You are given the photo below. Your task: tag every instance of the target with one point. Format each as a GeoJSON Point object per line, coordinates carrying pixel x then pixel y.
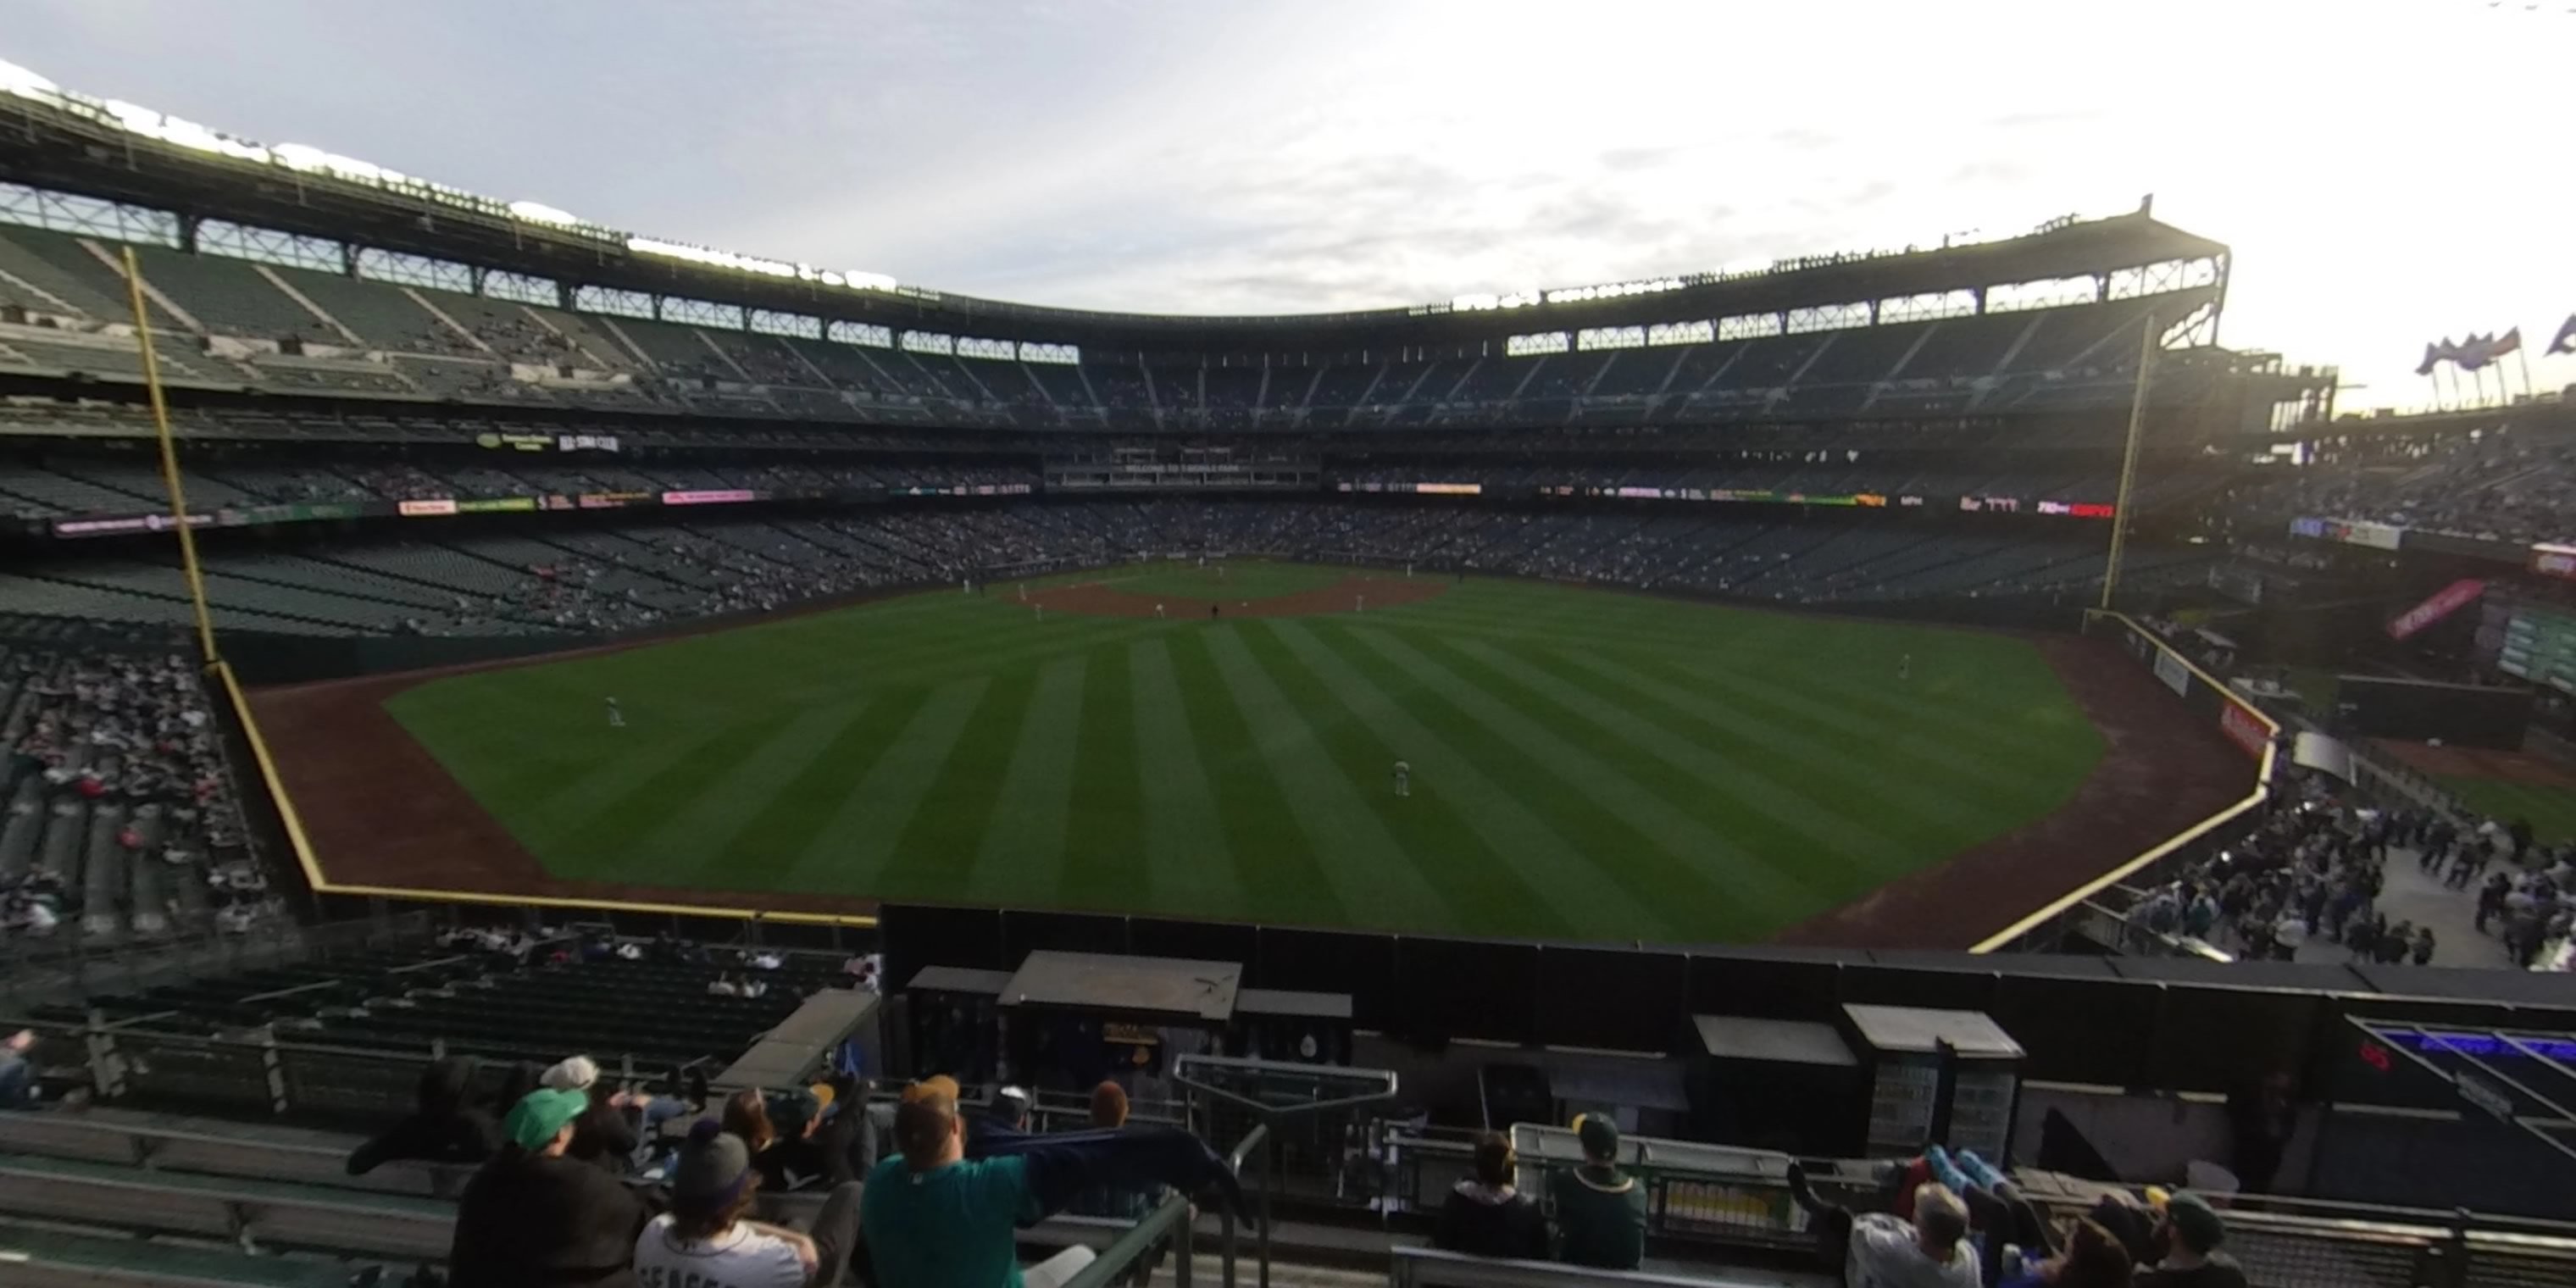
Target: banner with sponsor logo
{"type": "Point", "coordinates": [710, 496]}
{"type": "Point", "coordinates": [2444, 602]}
{"type": "Point", "coordinates": [2244, 728]}
{"type": "Point", "coordinates": [120, 525]}
{"type": "Point", "coordinates": [430, 506]}
{"type": "Point", "coordinates": [497, 505]}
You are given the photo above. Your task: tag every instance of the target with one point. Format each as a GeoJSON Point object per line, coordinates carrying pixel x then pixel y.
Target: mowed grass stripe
{"type": "Point", "coordinates": [1452, 858]}
{"type": "Point", "coordinates": [777, 836]}
{"type": "Point", "coordinates": [1777, 818]}
{"type": "Point", "coordinates": [1616, 849]}
{"type": "Point", "coordinates": [1903, 784]}
{"type": "Point", "coordinates": [935, 855]}
{"type": "Point", "coordinates": [1693, 853]}
{"type": "Point", "coordinates": [724, 809]}
{"type": "Point", "coordinates": [1996, 768]}
{"type": "Point", "coordinates": [567, 809]}
{"type": "Point", "coordinates": [1528, 880]}
{"type": "Point", "coordinates": [1368, 870]}
{"type": "Point", "coordinates": [1104, 845]}
{"type": "Point", "coordinates": [851, 849]}
{"type": "Point", "coordinates": [627, 829]}
{"type": "Point", "coordinates": [1023, 843]}
{"type": "Point", "coordinates": [1282, 878]}
{"type": "Point", "coordinates": [1185, 848]}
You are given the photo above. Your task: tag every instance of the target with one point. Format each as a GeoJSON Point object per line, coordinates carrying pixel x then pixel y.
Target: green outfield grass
{"type": "Point", "coordinates": [1586, 764]}
{"type": "Point", "coordinates": [2551, 811]}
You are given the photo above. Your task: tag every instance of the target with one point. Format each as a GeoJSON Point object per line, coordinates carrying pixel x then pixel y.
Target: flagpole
{"type": "Point", "coordinates": [169, 460]}
{"type": "Point", "coordinates": [2524, 362]}
{"type": "Point", "coordinates": [2129, 464]}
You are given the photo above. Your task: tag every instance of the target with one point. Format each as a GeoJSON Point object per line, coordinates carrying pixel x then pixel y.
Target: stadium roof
{"type": "Point", "coordinates": [125, 153]}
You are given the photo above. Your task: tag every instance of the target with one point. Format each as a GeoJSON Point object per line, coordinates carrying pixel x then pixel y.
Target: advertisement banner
{"type": "Point", "coordinates": [2444, 602]}
{"type": "Point", "coordinates": [497, 505]}
{"type": "Point", "coordinates": [420, 509]}
{"type": "Point", "coordinates": [2169, 668]}
{"type": "Point", "coordinates": [2554, 561]}
{"type": "Point", "coordinates": [614, 500]}
{"type": "Point", "coordinates": [2308, 528]}
{"type": "Point", "coordinates": [721, 496]}
{"type": "Point", "coordinates": [2244, 728]}
{"type": "Point", "coordinates": [120, 525]}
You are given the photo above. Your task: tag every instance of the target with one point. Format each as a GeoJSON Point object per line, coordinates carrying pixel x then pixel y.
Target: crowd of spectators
{"type": "Point", "coordinates": [2500, 485]}
{"type": "Point", "coordinates": [121, 815]}
{"type": "Point", "coordinates": [2307, 883]}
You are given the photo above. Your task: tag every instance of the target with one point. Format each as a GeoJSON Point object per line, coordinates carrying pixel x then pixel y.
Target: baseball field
{"type": "Point", "coordinates": [1224, 744]}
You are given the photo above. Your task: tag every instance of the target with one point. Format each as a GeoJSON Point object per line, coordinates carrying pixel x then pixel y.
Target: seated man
{"type": "Point", "coordinates": [1600, 1210]}
{"type": "Point", "coordinates": [1485, 1215]}
{"type": "Point", "coordinates": [1885, 1251]}
{"type": "Point", "coordinates": [704, 1239]}
{"type": "Point", "coordinates": [2190, 1234]}
{"type": "Point", "coordinates": [933, 1218]}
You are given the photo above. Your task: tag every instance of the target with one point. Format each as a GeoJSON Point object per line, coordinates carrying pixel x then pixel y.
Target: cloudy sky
{"type": "Point", "coordinates": [2388, 171]}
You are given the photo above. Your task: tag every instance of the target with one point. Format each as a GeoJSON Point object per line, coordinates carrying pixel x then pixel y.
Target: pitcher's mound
{"type": "Point", "coordinates": [1349, 595]}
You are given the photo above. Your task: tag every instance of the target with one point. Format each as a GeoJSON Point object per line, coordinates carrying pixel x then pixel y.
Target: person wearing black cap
{"type": "Point", "coordinates": [2190, 1235]}
{"type": "Point", "coordinates": [533, 1217]}
{"type": "Point", "coordinates": [704, 1240]}
{"type": "Point", "coordinates": [1600, 1210]}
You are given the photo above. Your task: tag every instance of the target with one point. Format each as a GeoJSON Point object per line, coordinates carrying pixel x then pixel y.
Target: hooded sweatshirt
{"type": "Point", "coordinates": [1886, 1254]}
{"type": "Point", "coordinates": [1491, 1221]}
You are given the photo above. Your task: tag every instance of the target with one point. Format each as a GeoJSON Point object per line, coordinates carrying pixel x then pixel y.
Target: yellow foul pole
{"type": "Point", "coordinates": [2128, 463]}
{"type": "Point", "coordinates": [169, 460]}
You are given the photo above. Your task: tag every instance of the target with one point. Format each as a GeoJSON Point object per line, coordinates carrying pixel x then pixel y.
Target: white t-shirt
{"type": "Point", "coordinates": [741, 1257]}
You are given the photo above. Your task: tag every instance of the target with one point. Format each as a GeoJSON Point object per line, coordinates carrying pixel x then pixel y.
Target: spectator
{"type": "Point", "coordinates": [443, 1126]}
{"type": "Point", "coordinates": [2093, 1259]}
{"type": "Point", "coordinates": [935, 1218]}
{"type": "Point", "coordinates": [793, 1158]}
{"type": "Point", "coordinates": [1485, 1215]}
{"type": "Point", "coordinates": [534, 1217]}
{"type": "Point", "coordinates": [1600, 1210]}
{"type": "Point", "coordinates": [704, 1240]}
{"type": "Point", "coordinates": [2190, 1235]}
{"type": "Point", "coordinates": [18, 1089]}
{"type": "Point", "coordinates": [1884, 1251]}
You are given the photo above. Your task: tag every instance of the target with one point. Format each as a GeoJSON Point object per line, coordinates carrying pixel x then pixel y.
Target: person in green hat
{"type": "Point", "coordinates": [533, 1217]}
{"type": "Point", "coordinates": [1600, 1210]}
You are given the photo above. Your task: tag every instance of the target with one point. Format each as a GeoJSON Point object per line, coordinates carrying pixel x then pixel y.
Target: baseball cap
{"type": "Point", "coordinates": [2195, 1222]}
{"type": "Point", "coordinates": [540, 1114]}
{"type": "Point", "coordinates": [573, 1074]}
{"type": "Point", "coordinates": [1599, 1135]}
{"type": "Point", "coordinates": [711, 1169]}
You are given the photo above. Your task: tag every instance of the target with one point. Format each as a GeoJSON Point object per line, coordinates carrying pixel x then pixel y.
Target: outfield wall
{"type": "Point", "coordinates": [2073, 918]}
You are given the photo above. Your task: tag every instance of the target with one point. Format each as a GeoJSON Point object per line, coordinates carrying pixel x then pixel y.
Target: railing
{"type": "Point", "coordinates": [1170, 1220]}
{"type": "Point", "coordinates": [1281, 1106]}
{"type": "Point", "coordinates": [2044, 929]}
{"type": "Point", "coordinates": [45, 970]}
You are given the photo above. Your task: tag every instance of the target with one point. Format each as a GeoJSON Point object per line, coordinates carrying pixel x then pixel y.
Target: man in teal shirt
{"type": "Point", "coordinates": [934, 1219]}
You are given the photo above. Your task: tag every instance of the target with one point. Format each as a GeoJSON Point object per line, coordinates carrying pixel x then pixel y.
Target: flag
{"type": "Point", "coordinates": [2444, 602]}
{"type": "Point", "coordinates": [2434, 353]}
{"type": "Point", "coordinates": [2510, 342]}
{"type": "Point", "coordinates": [2476, 352]}
{"type": "Point", "coordinates": [2566, 339]}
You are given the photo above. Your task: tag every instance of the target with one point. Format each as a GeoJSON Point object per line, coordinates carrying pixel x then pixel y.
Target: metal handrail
{"type": "Point", "coordinates": [1256, 1139]}
{"type": "Point", "coordinates": [1139, 1241]}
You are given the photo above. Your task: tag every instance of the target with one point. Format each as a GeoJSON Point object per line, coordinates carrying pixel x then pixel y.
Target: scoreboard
{"type": "Point", "coordinates": [2540, 646]}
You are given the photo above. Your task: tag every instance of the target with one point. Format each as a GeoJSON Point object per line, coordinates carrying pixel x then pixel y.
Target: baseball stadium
{"type": "Point", "coordinates": [440, 626]}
